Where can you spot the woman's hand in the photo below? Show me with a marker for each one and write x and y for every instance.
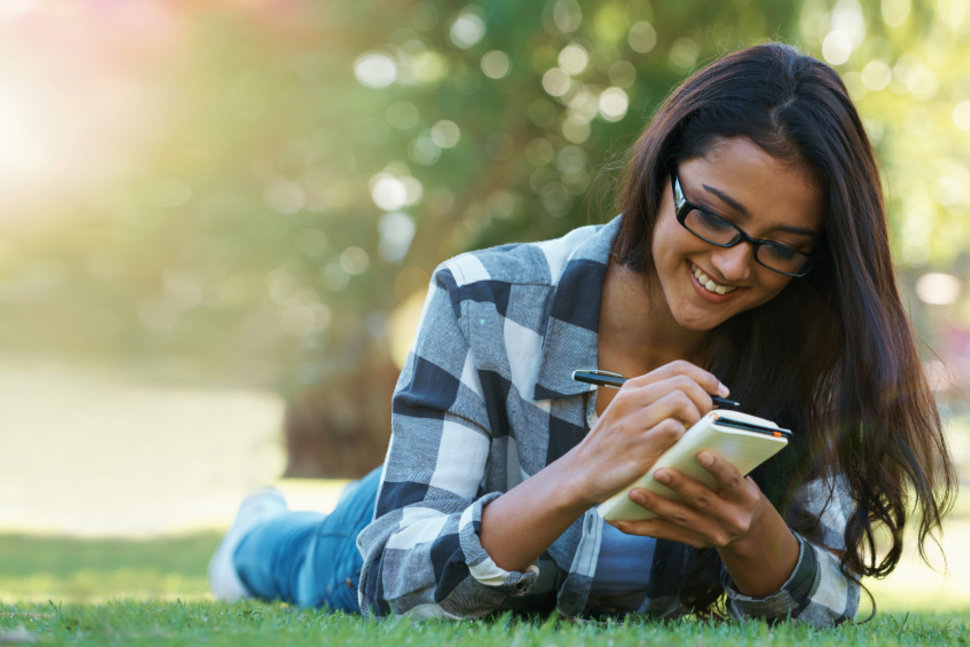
(646, 416)
(704, 518)
(757, 547)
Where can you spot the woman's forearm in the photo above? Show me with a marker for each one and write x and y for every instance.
(521, 524)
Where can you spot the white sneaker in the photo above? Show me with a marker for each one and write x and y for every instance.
(256, 507)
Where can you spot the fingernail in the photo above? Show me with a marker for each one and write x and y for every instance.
(705, 459)
(662, 476)
(638, 497)
(722, 390)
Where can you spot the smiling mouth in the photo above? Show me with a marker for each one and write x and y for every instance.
(709, 283)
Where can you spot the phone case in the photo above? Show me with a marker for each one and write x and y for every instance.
(744, 440)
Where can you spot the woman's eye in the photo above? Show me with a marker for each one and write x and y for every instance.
(783, 252)
(712, 220)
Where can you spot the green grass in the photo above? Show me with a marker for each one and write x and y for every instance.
(67, 569)
(69, 591)
(251, 623)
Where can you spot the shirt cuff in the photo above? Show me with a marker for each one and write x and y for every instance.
(480, 563)
(786, 600)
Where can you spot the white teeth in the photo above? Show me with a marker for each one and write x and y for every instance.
(710, 285)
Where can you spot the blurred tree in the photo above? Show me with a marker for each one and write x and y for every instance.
(317, 160)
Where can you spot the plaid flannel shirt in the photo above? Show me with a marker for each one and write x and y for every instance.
(484, 401)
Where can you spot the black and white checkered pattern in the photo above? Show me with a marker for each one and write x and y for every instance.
(485, 400)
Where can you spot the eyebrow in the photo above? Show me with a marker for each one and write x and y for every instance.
(740, 208)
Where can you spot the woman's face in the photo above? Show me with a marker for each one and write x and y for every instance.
(704, 285)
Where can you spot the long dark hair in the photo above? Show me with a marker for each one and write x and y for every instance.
(832, 356)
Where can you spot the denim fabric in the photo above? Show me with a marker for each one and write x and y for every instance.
(309, 558)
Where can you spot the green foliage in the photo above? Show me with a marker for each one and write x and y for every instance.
(315, 167)
(313, 163)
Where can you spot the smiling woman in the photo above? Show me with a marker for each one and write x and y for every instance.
(704, 258)
(751, 257)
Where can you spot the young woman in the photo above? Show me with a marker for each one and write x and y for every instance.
(751, 258)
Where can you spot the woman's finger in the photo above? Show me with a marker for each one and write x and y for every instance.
(731, 484)
(681, 368)
(679, 398)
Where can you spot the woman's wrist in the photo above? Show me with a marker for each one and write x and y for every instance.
(577, 481)
(763, 560)
(522, 523)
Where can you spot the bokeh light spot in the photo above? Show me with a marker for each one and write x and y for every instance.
(573, 59)
(876, 75)
(951, 188)
(583, 106)
(567, 16)
(445, 133)
(539, 151)
(496, 64)
(613, 104)
(424, 150)
(622, 73)
(556, 82)
(375, 70)
(576, 131)
(388, 192)
(354, 260)
(961, 115)
(555, 198)
(334, 278)
(428, 66)
(837, 47)
(610, 22)
(396, 231)
(917, 78)
(642, 37)
(895, 12)
(938, 288)
(684, 52)
(468, 28)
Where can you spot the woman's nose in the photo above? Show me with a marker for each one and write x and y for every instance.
(734, 263)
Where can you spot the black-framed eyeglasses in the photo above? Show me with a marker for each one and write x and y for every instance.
(718, 230)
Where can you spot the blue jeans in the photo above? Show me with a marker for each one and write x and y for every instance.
(310, 558)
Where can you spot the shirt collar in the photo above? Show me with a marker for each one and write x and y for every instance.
(570, 341)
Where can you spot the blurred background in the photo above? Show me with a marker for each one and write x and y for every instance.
(218, 218)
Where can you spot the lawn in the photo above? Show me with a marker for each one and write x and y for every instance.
(74, 587)
(248, 623)
(69, 591)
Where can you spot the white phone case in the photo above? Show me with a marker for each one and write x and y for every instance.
(743, 448)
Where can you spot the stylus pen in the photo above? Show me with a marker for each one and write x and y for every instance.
(615, 380)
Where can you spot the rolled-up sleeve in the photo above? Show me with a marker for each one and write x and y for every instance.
(422, 553)
(817, 592)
